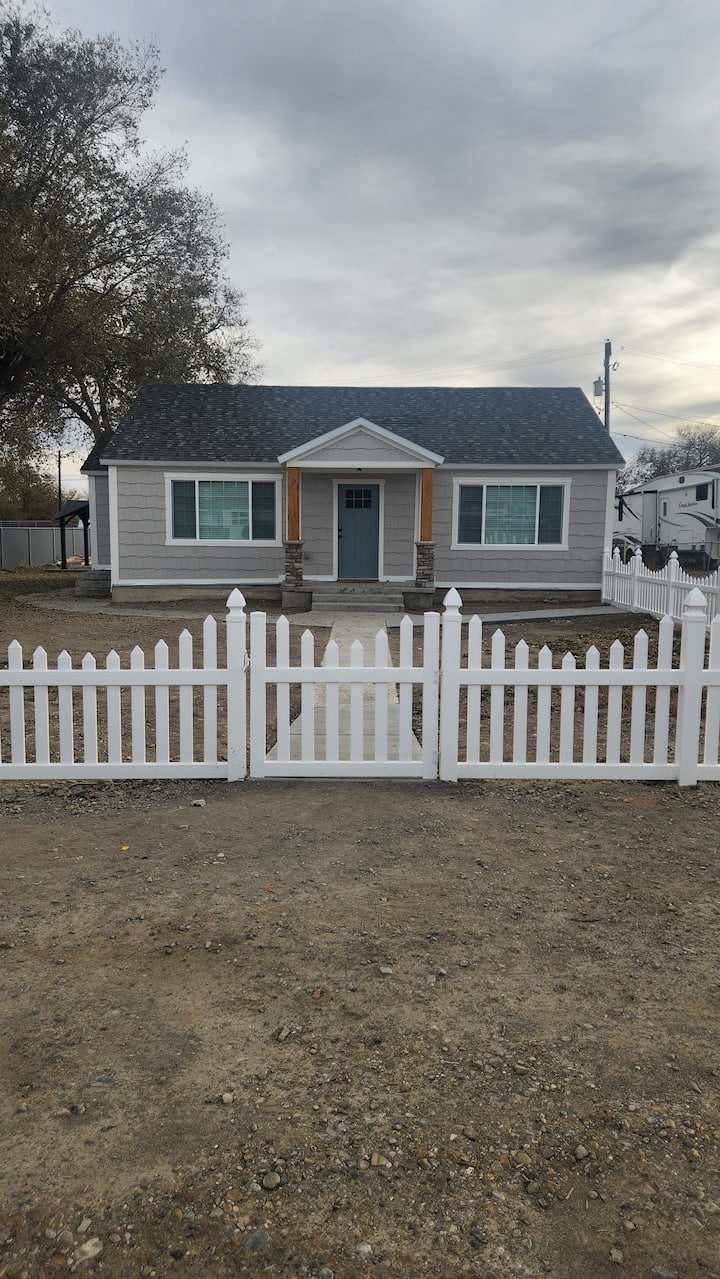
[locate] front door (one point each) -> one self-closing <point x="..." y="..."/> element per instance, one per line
<point x="358" y="530"/>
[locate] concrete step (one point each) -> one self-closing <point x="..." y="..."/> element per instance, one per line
<point x="358" y="601"/>
<point x="322" y="606"/>
<point x="93" y="584"/>
<point x="355" y="588"/>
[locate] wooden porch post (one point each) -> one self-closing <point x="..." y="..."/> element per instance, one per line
<point x="293" y="545"/>
<point x="425" y="548"/>
<point x="426" y="496"/>
<point x="293" y="504"/>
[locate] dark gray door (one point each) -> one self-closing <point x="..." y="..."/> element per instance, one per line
<point x="358" y="530"/>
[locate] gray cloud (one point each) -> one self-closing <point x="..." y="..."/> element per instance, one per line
<point x="435" y="184"/>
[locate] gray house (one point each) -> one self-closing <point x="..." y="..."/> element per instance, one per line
<point x="283" y="490"/>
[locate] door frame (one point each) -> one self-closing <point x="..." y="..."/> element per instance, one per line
<point x="355" y="481"/>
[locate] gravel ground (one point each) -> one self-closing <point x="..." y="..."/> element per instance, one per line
<point x="315" y="1029"/>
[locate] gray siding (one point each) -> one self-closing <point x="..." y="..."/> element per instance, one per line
<point x="399" y="530"/>
<point x="580" y="564"/>
<point x="101" y="533"/>
<point x="143" y="554"/>
<point x="317" y="527"/>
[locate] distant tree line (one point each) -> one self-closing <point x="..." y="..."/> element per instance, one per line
<point x="696" y="448"/>
<point x="26" y="492"/>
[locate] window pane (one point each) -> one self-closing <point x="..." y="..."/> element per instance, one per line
<point x="223" y="510"/>
<point x="183" y="508"/>
<point x="263" y="510"/>
<point x="550" y="519"/>
<point x="510" y="514"/>
<point x="470" y="515"/>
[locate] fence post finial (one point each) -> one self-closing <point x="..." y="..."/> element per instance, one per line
<point x="695" y="605"/>
<point x="452" y="602"/>
<point x="235" y="599"/>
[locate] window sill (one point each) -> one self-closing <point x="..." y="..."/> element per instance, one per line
<point x="509" y="546"/>
<point x="217" y="541"/>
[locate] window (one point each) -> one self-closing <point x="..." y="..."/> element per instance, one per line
<point x="510" y="514"/>
<point x="701" y="492"/>
<point x="223" y="510"/>
<point x="358" y="499"/>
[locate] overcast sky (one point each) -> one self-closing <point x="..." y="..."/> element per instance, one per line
<point x="458" y="192"/>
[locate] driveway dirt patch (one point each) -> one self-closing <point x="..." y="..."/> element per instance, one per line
<point x="387" y="1028"/>
<point x="303" y="1029"/>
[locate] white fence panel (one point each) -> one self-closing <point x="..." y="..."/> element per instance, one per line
<point x="559" y="719"/>
<point x="660" y="592"/>
<point x="57" y="727"/>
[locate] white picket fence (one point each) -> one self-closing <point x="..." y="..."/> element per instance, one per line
<point x="445" y="709"/>
<point x="135" y="721"/>
<point x="662" y="592"/>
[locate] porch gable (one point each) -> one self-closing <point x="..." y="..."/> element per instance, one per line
<point x="360" y="443"/>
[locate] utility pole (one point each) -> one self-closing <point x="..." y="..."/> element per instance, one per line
<point x="59" y="479"/>
<point x="608" y="353"/>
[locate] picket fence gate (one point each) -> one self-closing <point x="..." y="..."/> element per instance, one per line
<point x="439" y="711"/>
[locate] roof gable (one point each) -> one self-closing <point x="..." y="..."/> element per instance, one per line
<point x="360" y="440"/>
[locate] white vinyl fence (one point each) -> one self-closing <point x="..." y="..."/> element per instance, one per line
<point x="453" y="705"/>
<point x="133" y="721"/>
<point x="662" y="592"/>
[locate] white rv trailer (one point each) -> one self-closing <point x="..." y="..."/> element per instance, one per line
<point x="671" y="513"/>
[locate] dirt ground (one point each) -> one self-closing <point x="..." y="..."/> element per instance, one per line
<point x="316" y="1029"/>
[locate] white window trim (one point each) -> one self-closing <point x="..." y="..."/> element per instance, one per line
<point x="463" y="481"/>
<point x="215" y="477"/>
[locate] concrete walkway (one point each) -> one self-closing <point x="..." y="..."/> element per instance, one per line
<point x="346" y="629"/>
<point x="65" y="601"/>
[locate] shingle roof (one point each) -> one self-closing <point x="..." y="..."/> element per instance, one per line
<point x="487" y="426"/>
<point x="92" y="461"/>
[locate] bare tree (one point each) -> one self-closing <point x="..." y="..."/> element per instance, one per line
<point x="696" y="448"/>
<point x="113" y="272"/>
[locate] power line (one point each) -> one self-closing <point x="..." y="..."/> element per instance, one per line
<point x="644" y="423"/>
<point x="670" y="359"/>
<point x="689" y="421"/>
<point x="536" y="357"/>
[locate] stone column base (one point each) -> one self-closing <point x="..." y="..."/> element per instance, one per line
<point x="293" y="564"/>
<point x="425" y="572"/>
